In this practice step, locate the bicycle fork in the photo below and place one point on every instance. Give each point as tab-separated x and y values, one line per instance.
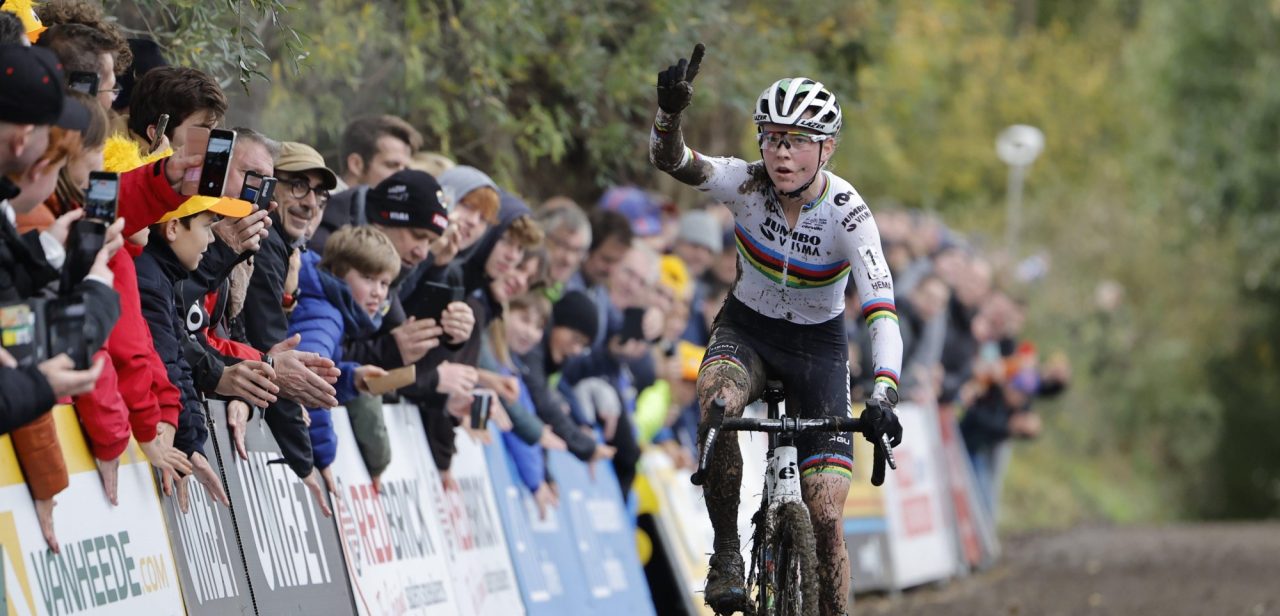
781	486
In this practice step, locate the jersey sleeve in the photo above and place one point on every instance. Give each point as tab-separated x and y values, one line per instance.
870	274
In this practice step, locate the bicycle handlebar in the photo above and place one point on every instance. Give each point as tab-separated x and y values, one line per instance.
717	423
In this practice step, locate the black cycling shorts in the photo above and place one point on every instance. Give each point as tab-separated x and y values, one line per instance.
811	361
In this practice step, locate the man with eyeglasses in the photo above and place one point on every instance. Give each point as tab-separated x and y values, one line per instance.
302	190
802	233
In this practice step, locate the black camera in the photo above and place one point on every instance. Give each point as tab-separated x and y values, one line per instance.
38	329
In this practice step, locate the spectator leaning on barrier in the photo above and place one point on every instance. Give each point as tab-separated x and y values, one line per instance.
373	148
177	244
496	255
341	296
522	326
573	322
39	130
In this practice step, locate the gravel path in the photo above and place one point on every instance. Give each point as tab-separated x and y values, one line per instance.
1192	570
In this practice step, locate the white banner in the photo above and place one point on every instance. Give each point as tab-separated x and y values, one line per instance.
480	565
921	538
393	541
112	560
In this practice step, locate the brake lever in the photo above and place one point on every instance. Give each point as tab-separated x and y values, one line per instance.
888	451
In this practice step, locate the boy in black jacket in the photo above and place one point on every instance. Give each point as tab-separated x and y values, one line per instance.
177	244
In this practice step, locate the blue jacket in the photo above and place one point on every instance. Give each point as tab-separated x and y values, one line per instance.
528	458
326	314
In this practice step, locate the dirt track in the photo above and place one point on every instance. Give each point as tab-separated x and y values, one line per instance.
1200	570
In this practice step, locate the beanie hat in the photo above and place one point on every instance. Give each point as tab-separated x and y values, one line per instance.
700	228
576	311
459	181
408	198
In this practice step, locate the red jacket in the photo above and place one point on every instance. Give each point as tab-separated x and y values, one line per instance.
104	415
145	197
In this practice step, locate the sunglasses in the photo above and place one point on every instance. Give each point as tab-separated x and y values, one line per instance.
772	139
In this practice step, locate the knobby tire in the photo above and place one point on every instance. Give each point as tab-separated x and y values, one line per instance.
791	588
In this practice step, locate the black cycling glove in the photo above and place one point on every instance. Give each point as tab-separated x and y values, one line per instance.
675	85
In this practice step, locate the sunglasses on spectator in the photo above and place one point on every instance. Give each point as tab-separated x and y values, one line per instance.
771	139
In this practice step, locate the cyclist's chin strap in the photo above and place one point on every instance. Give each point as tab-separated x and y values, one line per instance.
795	194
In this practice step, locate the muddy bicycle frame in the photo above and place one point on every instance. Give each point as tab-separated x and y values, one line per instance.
782	471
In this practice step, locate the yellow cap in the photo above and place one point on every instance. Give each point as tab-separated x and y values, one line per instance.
690	356
223	206
673	274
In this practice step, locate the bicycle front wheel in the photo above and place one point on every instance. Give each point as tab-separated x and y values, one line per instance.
793	564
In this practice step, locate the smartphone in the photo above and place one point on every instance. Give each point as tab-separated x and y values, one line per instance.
251	191
196	140
437	296
268	193
632	324
480	401
101	198
68	331
217	162
162	124
83	81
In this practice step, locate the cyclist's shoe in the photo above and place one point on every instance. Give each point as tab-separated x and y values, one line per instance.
725	592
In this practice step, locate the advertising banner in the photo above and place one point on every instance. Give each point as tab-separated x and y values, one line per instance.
207	548
975	531
291	551
542	550
394	543
480	564
921	538
604	535
866	531
683	525
111	559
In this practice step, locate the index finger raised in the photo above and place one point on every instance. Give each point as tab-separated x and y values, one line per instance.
695	61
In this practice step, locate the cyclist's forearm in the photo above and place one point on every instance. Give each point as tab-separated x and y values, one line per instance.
886	351
667	151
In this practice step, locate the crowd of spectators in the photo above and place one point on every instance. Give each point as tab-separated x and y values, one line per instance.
584	326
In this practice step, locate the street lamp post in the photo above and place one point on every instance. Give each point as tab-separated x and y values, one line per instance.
1017	146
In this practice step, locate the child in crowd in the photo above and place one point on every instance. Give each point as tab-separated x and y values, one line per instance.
341	296
176	246
522	328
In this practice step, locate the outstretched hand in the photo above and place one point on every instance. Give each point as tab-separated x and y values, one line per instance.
675	85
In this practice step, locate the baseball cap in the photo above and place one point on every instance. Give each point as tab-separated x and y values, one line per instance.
641	210
31	90
223	206
409	198
300	157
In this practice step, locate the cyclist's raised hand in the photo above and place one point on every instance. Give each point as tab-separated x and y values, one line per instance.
675	85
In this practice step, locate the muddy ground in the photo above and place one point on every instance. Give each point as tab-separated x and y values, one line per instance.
1191	570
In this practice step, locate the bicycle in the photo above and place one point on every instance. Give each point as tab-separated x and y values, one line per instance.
783	554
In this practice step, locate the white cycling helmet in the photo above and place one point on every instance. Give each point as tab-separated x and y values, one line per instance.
799	101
